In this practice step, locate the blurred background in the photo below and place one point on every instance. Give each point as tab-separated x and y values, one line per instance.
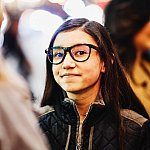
28	28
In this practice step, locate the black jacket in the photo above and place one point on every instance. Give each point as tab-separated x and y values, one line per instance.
99	130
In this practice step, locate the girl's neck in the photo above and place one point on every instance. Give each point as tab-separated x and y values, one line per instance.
83	100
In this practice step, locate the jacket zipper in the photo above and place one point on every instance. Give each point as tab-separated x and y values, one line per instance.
79	141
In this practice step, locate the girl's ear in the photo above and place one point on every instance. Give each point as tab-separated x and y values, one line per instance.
103	67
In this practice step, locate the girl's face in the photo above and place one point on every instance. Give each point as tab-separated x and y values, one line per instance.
76	77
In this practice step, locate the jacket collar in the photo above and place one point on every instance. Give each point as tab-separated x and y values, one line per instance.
67	111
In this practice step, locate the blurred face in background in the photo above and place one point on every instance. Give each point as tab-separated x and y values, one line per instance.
142	38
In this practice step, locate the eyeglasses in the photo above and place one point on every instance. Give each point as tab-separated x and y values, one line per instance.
79	53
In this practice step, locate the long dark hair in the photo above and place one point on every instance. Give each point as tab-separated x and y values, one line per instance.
115	88
124	19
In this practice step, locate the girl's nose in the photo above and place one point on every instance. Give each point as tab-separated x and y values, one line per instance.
68	62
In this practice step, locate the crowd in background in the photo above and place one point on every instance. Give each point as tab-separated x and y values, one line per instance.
18	124
129	25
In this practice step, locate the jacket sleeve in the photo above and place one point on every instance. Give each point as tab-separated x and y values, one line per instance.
145	141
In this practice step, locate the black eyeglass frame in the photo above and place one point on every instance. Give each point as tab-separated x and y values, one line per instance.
68	49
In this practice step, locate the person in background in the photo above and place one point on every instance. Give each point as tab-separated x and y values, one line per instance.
90	98
12	50
19	128
128	22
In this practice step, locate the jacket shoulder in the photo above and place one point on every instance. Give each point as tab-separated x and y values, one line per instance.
46	119
46	110
133	116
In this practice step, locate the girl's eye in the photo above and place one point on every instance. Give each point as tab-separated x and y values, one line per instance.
81	52
58	55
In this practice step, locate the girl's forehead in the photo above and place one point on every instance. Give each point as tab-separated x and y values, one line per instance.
69	38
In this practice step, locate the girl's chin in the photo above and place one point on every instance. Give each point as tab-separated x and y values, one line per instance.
71	89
